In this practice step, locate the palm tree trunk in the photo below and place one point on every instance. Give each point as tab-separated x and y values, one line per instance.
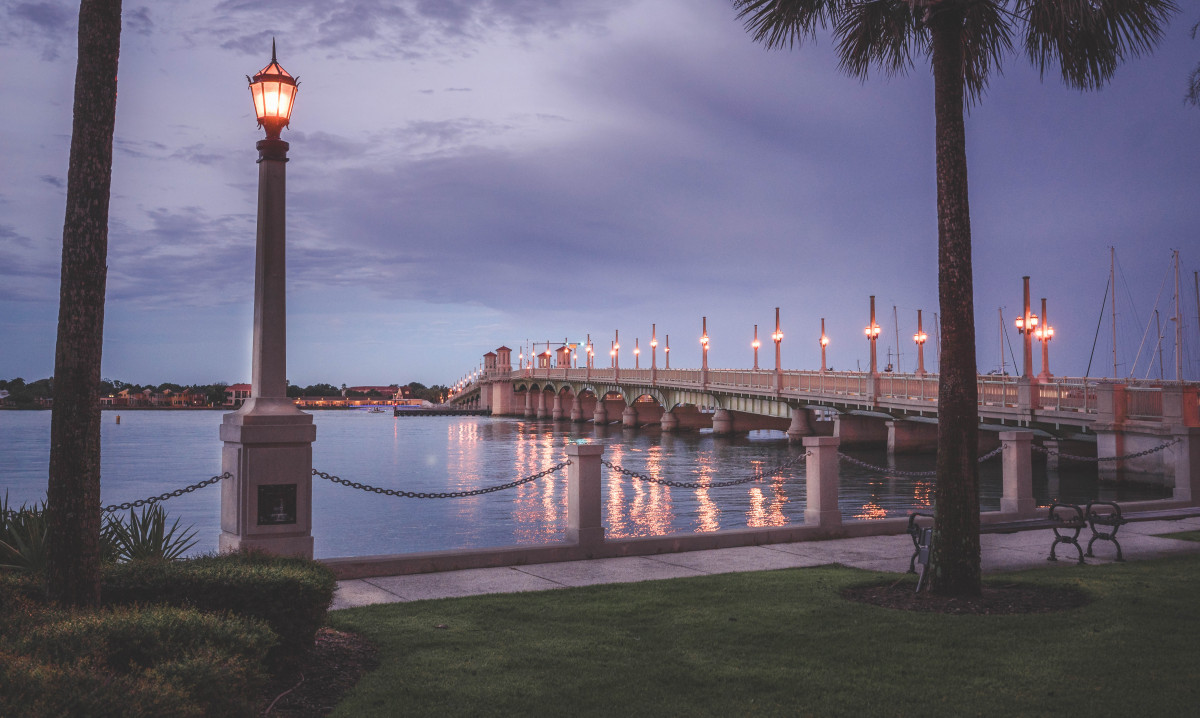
73	491
956	543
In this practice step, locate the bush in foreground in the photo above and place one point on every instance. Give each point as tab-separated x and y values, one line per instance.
291	595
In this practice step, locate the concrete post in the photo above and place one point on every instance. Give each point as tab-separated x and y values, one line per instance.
668	422
722	422
556	411
267	505
821	478
583	494
1018	473
1187	463
1052	447
1179	405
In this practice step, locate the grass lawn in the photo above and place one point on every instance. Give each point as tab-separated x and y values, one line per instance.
785	643
1182	535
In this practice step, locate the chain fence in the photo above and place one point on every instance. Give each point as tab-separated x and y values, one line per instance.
1093	459
169	495
758	475
440	494
918	474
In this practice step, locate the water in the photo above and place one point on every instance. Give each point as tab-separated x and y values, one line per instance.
151	452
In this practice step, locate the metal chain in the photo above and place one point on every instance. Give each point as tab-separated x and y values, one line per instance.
919	474
757	476
169	495
1073	457
440	494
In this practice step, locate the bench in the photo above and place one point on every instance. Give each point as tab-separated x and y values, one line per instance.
1103	518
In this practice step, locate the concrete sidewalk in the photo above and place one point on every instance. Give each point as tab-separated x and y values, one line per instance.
1001	552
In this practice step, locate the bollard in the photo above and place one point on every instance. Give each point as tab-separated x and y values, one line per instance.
1018	473
1053	447
821	472
583	495
118	418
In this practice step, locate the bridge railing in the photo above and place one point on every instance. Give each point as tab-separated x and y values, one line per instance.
1144	403
1067	395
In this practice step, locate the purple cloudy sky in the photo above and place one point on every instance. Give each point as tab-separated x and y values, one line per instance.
470	173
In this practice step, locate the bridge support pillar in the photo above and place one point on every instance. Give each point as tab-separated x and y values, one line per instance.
801	425
1018	473
600	415
583	495
853	430
669	422
541	412
722	422
556	411
629	417
821	472
576	409
1052	447
911	437
528	413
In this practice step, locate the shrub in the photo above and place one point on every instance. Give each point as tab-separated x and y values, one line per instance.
211	662
146	536
22	537
291	595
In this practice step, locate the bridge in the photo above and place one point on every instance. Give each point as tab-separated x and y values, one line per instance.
1081	415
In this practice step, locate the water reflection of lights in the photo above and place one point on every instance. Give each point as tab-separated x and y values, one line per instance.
709	514
871	511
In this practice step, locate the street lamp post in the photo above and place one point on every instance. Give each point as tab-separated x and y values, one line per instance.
755	345
920	337
637	353
267	505
1044	333
653	353
667	352
872	334
824	343
1026	325
704	353
777	337
616	352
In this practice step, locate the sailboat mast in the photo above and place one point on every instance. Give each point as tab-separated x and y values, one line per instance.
1178	326
1112	278
896	324
1000	313
1158	331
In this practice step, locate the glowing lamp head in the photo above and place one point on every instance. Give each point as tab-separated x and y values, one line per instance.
920	337
274	92
777	336
824	340
873	331
754	344
653	343
637	351
704	341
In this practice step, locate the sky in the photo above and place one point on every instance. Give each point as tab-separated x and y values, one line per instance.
466	174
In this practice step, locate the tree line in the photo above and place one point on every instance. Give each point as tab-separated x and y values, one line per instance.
24	394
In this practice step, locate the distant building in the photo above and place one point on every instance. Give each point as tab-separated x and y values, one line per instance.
236	394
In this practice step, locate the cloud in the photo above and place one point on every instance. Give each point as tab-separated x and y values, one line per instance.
377	28
41	25
53	181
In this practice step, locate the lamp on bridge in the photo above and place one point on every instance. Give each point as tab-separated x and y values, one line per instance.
1026	326
755	345
616	348
1044	334
873	330
777	337
268	441
824	343
704	344
653	346
637	353
667	351
920	338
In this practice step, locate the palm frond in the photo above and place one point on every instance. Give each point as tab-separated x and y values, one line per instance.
786	23
987	37
1090	38
883	33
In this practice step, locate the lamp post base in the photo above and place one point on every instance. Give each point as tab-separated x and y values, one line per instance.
267	505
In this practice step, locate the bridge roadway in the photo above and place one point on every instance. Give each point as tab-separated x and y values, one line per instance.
1098	418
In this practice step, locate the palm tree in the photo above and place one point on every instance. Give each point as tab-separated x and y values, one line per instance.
73	490
965	40
1193	95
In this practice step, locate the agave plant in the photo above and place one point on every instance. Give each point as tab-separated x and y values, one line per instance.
22	537
147	537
